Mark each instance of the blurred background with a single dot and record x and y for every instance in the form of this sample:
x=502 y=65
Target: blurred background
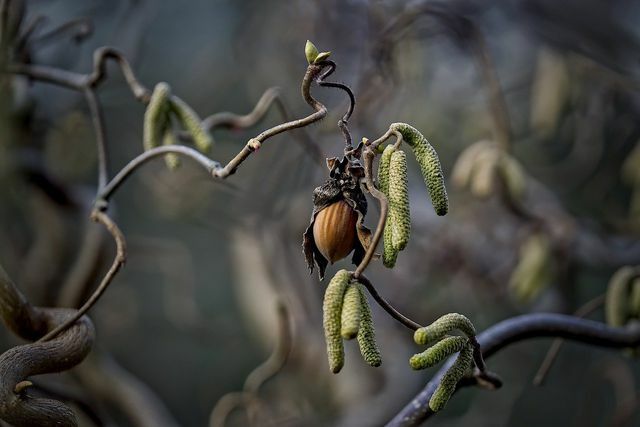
x=544 y=205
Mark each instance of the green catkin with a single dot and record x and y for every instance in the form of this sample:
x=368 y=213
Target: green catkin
x=331 y=319
x=389 y=255
x=443 y=326
x=366 y=334
x=156 y=116
x=430 y=166
x=172 y=160
x=532 y=273
x=351 y=312
x=192 y=124
x=617 y=304
x=438 y=352
x=447 y=385
x=399 y=201
x=513 y=176
x=634 y=300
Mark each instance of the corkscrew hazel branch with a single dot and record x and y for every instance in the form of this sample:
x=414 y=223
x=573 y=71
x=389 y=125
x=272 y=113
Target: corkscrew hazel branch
x=267 y=370
x=118 y=262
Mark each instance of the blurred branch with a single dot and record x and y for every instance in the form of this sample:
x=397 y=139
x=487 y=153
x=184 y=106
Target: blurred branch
x=517 y=329
x=118 y=262
x=554 y=350
x=249 y=395
x=105 y=379
x=21 y=362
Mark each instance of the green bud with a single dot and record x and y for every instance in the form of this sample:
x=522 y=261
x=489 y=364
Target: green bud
x=390 y=254
x=351 y=312
x=331 y=320
x=192 y=124
x=427 y=158
x=617 y=307
x=366 y=334
x=321 y=57
x=311 y=52
x=156 y=116
x=447 y=385
x=399 y=200
x=442 y=327
x=438 y=352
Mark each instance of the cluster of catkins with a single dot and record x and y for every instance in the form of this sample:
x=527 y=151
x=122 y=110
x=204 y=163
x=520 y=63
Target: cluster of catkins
x=347 y=315
x=158 y=129
x=392 y=181
x=442 y=346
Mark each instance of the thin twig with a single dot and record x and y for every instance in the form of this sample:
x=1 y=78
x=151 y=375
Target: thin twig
x=386 y=306
x=118 y=262
x=369 y=154
x=274 y=364
x=588 y=308
x=103 y=196
x=98 y=124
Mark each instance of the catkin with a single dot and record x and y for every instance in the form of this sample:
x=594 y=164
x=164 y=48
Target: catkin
x=389 y=254
x=351 y=312
x=447 y=385
x=399 y=201
x=172 y=160
x=192 y=124
x=443 y=326
x=616 y=307
x=438 y=352
x=331 y=320
x=366 y=334
x=430 y=166
x=156 y=116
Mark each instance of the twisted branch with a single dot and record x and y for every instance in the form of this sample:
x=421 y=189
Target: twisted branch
x=21 y=362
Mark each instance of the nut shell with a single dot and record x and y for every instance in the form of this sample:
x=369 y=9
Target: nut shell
x=334 y=230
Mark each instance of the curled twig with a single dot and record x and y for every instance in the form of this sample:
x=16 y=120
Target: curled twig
x=274 y=364
x=118 y=262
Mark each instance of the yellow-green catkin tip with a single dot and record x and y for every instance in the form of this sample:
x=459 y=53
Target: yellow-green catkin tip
x=430 y=166
x=399 y=200
x=389 y=254
x=311 y=52
x=156 y=116
x=331 y=319
x=442 y=327
x=438 y=352
x=192 y=124
x=366 y=334
x=351 y=312
x=172 y=160
x=617 y=304
x=447 y=385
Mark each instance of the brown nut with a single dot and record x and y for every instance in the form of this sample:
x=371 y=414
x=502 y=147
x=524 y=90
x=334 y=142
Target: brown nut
x=334 y=230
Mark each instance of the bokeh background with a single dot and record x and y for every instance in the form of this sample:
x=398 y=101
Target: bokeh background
x=193 y=311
